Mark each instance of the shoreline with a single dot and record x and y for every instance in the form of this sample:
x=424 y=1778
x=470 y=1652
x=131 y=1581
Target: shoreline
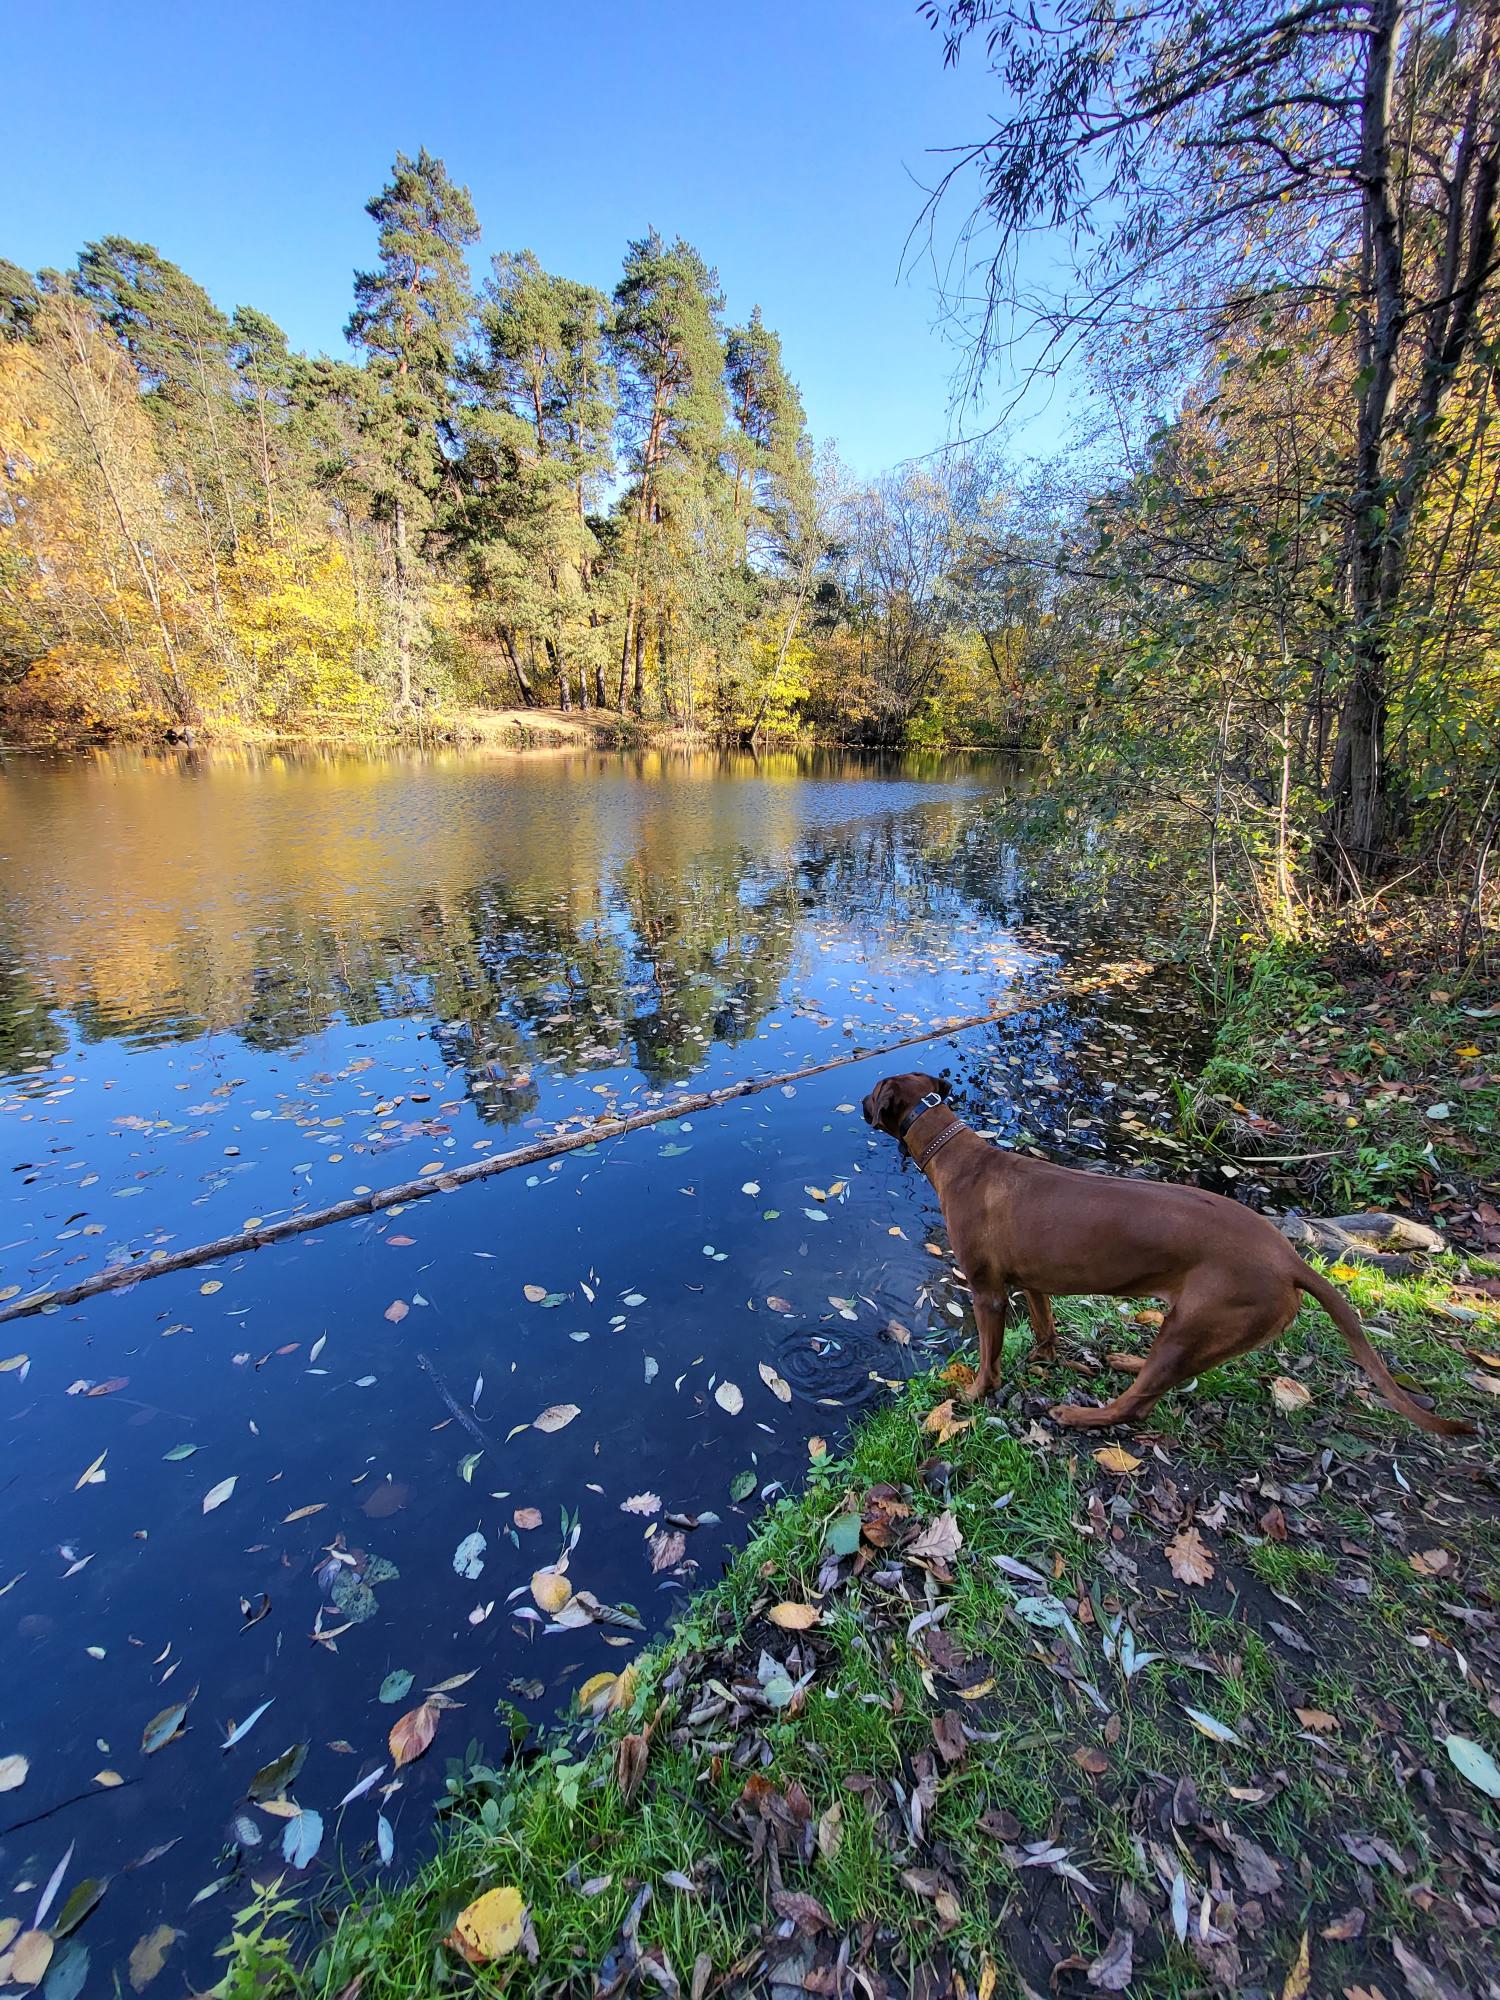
x=502 y=729
x=922 y=1730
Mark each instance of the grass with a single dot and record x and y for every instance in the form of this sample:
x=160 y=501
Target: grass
x=1345 y=1051
x=748 y=1809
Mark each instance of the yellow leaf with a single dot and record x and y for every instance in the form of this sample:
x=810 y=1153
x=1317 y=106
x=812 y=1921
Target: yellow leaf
x=794 y=1617
x=1115 y=1458
x=593 y=1696
x=490 y=1927
x=301 y=1513
x=95 y=1475
x=1299 y=1977
x=1343 y=1272
x=31 y=1957
x=551 y=1590
x=109 y=1779
x=211 y=1285
x=12 y=1362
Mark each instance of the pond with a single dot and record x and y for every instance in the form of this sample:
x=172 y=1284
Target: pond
x=314 y=1476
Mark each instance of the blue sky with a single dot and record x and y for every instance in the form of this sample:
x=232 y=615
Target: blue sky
x=786 y=140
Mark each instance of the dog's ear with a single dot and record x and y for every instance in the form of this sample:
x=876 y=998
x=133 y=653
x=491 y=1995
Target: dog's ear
x=945 y=1088
x=879 y=1097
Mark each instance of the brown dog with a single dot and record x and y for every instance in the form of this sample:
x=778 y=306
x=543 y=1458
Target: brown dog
x=1229 y=1276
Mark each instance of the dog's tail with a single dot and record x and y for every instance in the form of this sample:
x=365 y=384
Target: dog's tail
x=1346 y=1319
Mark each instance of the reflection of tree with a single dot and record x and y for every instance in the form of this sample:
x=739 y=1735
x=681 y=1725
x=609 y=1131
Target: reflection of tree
x=565 y=914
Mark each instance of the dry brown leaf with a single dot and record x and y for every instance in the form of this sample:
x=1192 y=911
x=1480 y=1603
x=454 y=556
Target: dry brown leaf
x=641 y=1503
x=534 y=1293
x=1316 y=1718
x=944 y=1422
x=527 y=1517
x=778 y=1386
x=557 y=1416
x=668 y=1550
x=396 y=1311
x=1288 y=1395
x=730 y=1397
x=631 y=1753
x=941 y=1539
x=412 y=1735
x=831 y=1832
x=1189 y=1558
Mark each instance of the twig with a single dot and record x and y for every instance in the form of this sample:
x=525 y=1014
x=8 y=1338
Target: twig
x=157 y=1266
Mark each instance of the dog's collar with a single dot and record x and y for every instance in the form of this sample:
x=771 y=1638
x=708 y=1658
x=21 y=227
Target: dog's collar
x=948 y=1132
x=909 y=1118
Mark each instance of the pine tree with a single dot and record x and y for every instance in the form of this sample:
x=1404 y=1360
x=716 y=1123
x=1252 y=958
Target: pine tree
x=668 y=338
x=410 y=314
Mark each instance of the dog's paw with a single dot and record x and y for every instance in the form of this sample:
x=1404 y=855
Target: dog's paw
x=975 y=1391
x=1076 y=1416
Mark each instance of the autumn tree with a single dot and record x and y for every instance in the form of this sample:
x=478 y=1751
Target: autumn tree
x=1227 y=173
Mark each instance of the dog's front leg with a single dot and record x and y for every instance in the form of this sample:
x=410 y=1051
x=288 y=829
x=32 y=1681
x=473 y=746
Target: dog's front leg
x=989 y=1317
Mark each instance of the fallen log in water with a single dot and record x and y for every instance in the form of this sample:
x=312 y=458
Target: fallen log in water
x=159 y=1263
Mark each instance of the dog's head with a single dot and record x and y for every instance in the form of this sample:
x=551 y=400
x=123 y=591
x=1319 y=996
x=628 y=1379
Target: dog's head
x=888 y=1103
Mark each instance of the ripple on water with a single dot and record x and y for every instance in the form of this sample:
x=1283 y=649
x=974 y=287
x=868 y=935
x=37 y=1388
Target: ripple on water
x=849 y=1366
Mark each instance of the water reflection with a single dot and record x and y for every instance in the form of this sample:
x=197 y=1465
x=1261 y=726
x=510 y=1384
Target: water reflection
x=235 y=986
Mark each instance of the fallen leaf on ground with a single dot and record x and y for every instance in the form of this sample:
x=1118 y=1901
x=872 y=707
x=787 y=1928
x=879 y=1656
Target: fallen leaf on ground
x=940 y=1540
x=1475 y=1763
x=794 y=1617
x=491 y=1927
x=1289 y=1395
x=1115 y=1458
x=1299 y=1974
x=1189 y=1558
x=1316 y=1718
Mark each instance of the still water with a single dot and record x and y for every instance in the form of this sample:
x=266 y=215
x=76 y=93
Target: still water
x=312 y=1476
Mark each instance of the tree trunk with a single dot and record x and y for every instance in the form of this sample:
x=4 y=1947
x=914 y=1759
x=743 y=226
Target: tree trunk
x=403 y=606
x=528 y=697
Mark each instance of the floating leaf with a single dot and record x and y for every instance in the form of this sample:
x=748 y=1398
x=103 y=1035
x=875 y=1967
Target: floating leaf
x=29 y=1958
x=242 y=1729
x=272 y=1779
x=742 y=1485
x=396 y=1311
x=83 y=1899
x=385 y=1839
x=535 y=1293
x=397 y=1685
x=491 y=1927
x=68 y=1974
x=13 y=1771
x=527 y=1517
x=792 y=1617
x=150 y=1955
x=557 y=1416
x=178 y=1453
x=411 y=1736
x=728 y=1397
x=302 y=1838
x=94 y=1476
x=1474 y=1762
x=551 y=1590
x=217 y=1495
x=302 y=1513
x=777 y=1384
x=162 y=1728
x=468 y=1557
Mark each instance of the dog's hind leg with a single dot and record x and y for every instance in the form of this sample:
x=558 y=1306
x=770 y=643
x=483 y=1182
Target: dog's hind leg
x=1187 y=1345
